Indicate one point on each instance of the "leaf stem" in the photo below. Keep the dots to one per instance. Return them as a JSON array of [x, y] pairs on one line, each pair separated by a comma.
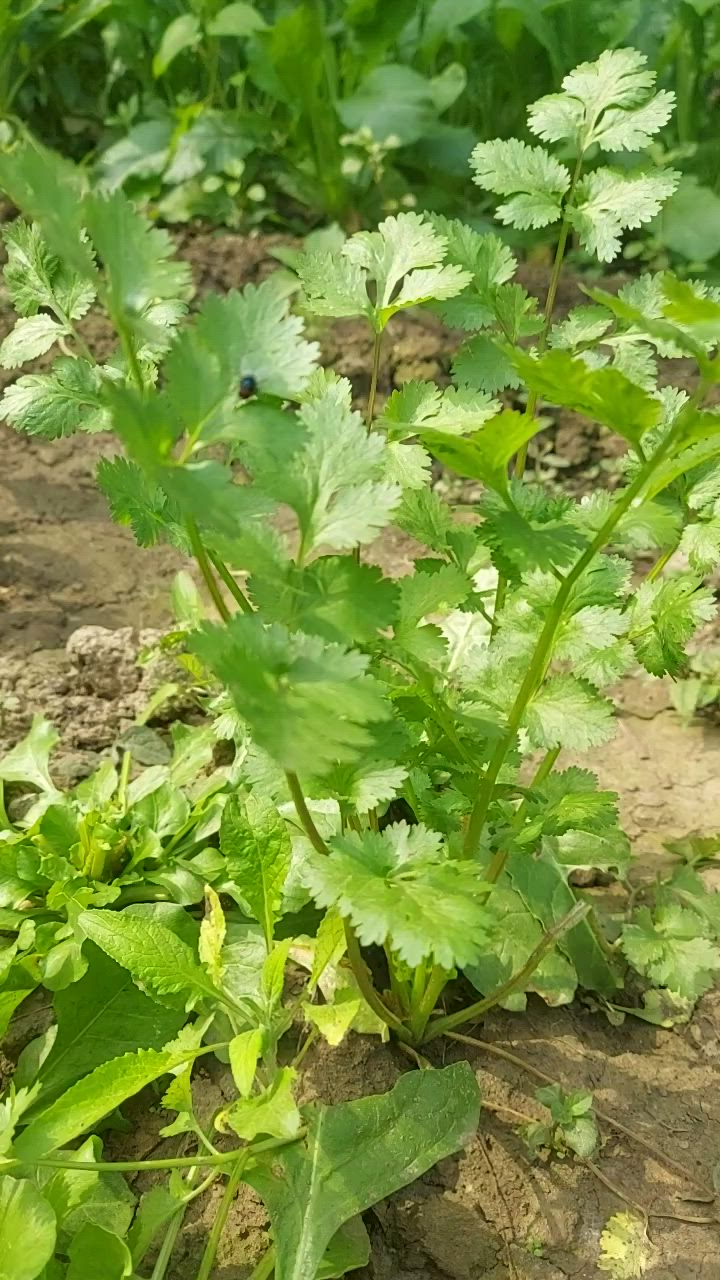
[[305, 815], [205, 568], [497, 864], [361, 973], [218, 1226], [372, 395], [473, 1011], [233, 587], [537, 667], [171, 1162], [265, 1266]]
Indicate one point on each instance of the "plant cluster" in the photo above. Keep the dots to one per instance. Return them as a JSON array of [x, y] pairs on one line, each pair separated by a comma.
[[391, 816], [280, 109]]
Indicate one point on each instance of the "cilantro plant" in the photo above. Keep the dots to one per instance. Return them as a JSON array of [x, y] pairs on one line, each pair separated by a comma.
[[392, 816]]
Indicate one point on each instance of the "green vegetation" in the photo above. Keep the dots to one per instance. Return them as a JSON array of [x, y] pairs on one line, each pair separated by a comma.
[[280, 111], [390, 783]]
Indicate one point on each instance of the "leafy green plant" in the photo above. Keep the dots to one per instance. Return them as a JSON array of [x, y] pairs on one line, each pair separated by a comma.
[[571, 1126], [393, 783]]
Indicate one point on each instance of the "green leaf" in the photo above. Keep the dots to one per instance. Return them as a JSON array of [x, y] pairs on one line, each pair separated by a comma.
[[515, 935], [303, 700], [334, 1020], [700, 542], [333, 285], [423, 404], [609, 103], [98, 1017], [29, 761], [138, 264], [610, 201], [273, 1112], [356, 1154], [392, 101], [690, 221], [244, 1052], [485, 454], [480, 362], [624, 1247], [236, 19], [35, 277], [27, 1230], [212, 937], [158, 960], [543, 886], [404, 260], [180, 34], [31, 337], [83, 1105], [156, 1208], [399, 887], [348, 1250], [334, 597], [58, 403], [135, 501], [85, 1196], [567, 712], [535, 180], [99, 1253], [663, 617], [255, 842], [50, 189], [666, 949], [604, 395]]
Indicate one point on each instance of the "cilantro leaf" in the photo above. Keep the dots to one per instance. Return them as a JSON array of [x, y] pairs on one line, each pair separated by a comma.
[[481, 362], [333, 285], [604, 395], [50, 189], [58, 403], [535, 179], [457, 411], [303, 700], [334, 597], [135, 501], [31, 336], [399, 887], [485, 454], [35, 278], [663, 616], [700, 542], [610, 201], [567, 712], [666, 949]]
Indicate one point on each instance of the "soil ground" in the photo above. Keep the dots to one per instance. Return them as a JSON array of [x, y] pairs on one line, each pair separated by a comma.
[[489, 1213]]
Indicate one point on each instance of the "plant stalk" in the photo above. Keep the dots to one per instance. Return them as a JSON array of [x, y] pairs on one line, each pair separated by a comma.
[[205, 568], [233, 587], [537, 668], [372, 395], [265, 1266], [452, 1020], [218, 1226]]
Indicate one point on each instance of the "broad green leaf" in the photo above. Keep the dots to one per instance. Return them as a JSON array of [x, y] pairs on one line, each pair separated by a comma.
[[485, 454], [58, 403], [664, 615], [625, 1250], [29, 761], [535, 180], [236, 19], [255, 842], [182, 33], [27, 1230], [212, 937], [303, 700], [84, 1104], [155, 956], [356, 1154], [348, 1250], [244, 1052], [81, 1197], [543, 886], [514, 937], [98, 1253], [400, 887], [32, 336], [604, 395], [155, 1209], [100, 1016], [334, 1020], [393, 101], [273, 1112]]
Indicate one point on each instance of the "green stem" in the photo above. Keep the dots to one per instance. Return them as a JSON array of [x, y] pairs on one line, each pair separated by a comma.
[[218, 1226], [123, 780], [233, 587], [474, 1011], [171, 1162], [531, 406], [434, 988], [537, 667], [206, 570], [265, 1266], [656, 569], [163, 1259], [305, 815], [372, 396], [362, 976]]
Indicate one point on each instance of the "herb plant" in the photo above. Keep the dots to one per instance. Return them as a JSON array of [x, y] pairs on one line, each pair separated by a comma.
[[392, 816]]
